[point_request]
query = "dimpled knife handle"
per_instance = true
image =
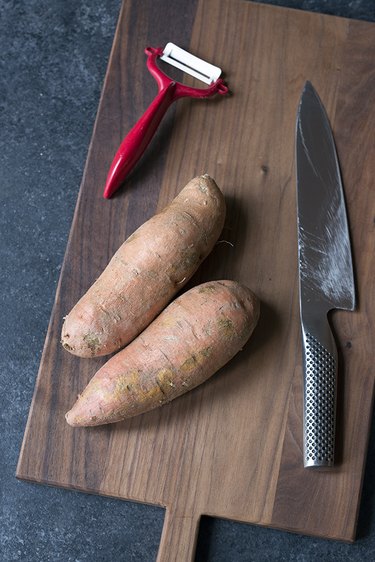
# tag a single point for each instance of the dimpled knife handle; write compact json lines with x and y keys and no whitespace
{"x":320,"y":384}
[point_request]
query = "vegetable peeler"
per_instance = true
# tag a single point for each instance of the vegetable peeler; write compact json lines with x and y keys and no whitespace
{"x":138,"y":138}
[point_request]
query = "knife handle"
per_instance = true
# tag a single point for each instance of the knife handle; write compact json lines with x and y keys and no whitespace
{"x":320,"y":391}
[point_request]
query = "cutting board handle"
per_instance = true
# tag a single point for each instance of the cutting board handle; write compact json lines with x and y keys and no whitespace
{"x":179,"y":537}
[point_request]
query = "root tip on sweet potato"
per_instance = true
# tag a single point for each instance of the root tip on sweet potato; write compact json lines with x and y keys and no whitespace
{"x":74,"y":420}
{"x":69,"y":418}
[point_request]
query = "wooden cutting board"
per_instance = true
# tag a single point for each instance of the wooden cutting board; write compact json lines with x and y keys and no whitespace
{"x":231,"y":448}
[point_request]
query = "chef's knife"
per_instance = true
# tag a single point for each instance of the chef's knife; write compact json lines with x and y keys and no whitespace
{"x":325,"y":272}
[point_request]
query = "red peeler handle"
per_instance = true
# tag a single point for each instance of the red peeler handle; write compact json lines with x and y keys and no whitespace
{"x":136,"y":141}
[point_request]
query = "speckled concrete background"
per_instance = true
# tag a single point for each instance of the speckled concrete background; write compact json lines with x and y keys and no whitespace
{"x":53,"y":56}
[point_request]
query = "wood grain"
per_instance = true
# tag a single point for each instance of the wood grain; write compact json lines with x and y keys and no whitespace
{"x":232,"y":447}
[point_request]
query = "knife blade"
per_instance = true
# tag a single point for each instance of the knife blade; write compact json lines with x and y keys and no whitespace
{"x":326,"y":279}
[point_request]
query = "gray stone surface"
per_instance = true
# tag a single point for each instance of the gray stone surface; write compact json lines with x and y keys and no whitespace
{"x":53,"y":56}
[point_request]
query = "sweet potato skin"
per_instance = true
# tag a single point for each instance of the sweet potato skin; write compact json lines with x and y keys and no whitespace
{"x":186,"y":344}
{"x":152,"y":265}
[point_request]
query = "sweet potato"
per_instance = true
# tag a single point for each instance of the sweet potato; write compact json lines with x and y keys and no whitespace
{"x":188,"y":342}
{"x":152,"y":265}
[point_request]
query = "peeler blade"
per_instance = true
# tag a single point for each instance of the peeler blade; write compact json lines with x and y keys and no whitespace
{"x":200,"y":69}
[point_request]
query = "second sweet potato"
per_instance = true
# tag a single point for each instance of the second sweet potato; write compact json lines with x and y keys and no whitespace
{"x":188,"y":342}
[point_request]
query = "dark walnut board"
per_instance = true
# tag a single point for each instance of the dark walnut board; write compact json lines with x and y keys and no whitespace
{"x":231,"y":448}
